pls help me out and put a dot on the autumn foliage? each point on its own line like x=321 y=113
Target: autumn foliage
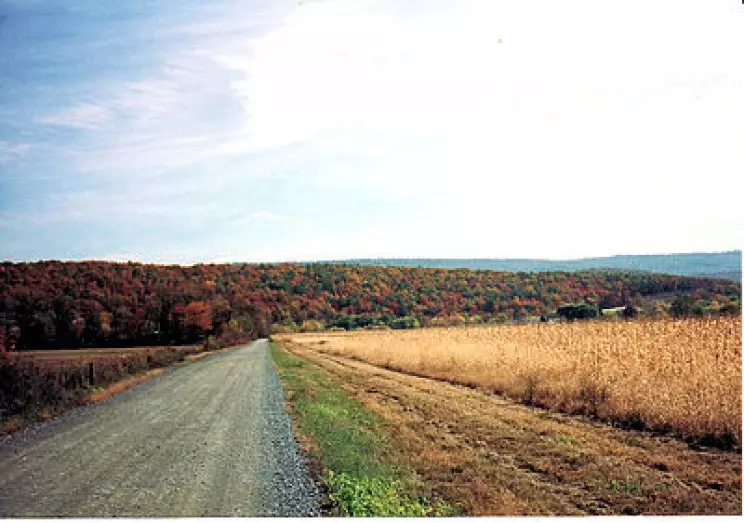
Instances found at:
x=198 y=318
x=56 y=304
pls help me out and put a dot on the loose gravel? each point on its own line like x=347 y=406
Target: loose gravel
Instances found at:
x=207 y=439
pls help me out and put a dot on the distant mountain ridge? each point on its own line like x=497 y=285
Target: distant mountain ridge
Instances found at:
x=712 y=265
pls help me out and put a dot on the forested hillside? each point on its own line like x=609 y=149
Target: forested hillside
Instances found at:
x=64 y=304
x=703 y=264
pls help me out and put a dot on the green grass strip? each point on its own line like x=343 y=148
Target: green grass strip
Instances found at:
x=360 y=470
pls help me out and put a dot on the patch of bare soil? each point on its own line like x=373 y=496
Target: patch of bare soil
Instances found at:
x=495 y=457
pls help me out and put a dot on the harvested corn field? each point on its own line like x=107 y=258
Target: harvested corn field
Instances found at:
x=680 y=376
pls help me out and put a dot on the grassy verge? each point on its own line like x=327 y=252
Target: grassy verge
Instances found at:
x=359 y=466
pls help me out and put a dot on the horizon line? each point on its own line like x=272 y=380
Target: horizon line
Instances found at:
x=358 y=259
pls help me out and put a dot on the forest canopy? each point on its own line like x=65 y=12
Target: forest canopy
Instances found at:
x=52 y=304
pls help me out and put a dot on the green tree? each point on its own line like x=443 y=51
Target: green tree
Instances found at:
x=578 y=311
x=630 y=311
x=683 y=305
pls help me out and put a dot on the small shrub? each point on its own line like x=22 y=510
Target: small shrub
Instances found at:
x=627 y=486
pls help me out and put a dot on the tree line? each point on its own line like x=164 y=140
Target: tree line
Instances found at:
x=52 y=304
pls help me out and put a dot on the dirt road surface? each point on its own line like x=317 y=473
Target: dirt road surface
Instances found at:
x=207 y=439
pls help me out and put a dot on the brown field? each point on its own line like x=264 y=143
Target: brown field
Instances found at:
x=39 y=384
x=682 y=376
x=96 y=353
x=91 y=367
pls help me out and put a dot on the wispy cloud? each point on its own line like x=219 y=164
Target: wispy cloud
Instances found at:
x=362 y=115
x=9 y=150
x=141 y=205
x=265 y=216
x=93 y=206
x=174 y=109
x=82 y=116
x=181 y=116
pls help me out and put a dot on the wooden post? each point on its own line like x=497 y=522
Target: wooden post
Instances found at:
x=90 y=373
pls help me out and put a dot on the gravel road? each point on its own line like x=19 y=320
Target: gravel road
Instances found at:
x=208 y=439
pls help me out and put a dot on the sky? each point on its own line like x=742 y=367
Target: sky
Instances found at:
x=277 y=130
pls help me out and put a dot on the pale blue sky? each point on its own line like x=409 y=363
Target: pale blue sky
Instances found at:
x=272 y=130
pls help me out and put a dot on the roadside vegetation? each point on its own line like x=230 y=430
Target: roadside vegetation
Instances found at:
x=679 y=376
x=358 y=464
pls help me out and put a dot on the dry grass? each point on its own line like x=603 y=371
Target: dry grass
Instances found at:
x=679 y=375
x=123 y=385
x=79 y=354
x=494 y=457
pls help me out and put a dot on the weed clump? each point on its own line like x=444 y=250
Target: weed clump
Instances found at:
x=364 y=496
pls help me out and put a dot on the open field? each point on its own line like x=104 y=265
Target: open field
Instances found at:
x=97 y=353
x=487 y=455
x=674 y=375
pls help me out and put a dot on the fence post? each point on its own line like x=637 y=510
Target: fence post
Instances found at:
x=90 y=373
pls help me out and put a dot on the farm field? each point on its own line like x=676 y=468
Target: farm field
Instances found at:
x=40 y=384
x=680 y=376
x=490 y=455
x=96 y=353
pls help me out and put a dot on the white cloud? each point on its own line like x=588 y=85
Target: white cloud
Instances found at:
x=82 y=116
x=9 y=150
x=178 y=114
x=265 y=216
x=483 y=122
x=538 y=106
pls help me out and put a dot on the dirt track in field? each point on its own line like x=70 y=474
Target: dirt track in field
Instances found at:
x=496 y=457
x=207 y=439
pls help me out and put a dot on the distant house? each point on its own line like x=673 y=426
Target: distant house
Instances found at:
x=613 y=311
